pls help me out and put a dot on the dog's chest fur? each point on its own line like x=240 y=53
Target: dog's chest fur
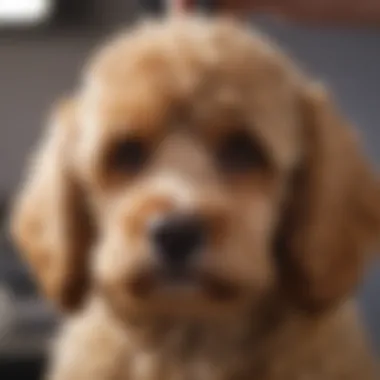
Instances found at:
x=274 y=350
x=193 y=353
x=244 y=354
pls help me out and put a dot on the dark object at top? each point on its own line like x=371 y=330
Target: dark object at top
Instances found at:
x=158 y=7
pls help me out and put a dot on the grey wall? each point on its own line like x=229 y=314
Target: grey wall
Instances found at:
x=36 y=70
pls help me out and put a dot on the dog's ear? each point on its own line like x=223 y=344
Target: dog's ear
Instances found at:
x=50 y=222
x=333 y=213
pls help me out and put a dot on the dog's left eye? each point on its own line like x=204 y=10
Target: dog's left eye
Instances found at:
x=128 y=156
x=238 y=153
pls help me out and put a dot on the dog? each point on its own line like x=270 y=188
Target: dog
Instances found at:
x=200 y=209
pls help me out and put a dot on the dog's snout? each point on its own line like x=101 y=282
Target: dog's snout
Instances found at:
x=177 y=237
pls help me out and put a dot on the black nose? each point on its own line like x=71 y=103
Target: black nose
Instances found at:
x=178 y=237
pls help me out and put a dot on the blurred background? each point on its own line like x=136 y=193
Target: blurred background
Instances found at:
x=43 y=44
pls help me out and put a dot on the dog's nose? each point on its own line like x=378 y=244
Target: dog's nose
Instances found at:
x=177 y=237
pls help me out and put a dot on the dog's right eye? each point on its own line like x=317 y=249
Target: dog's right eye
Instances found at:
x=128 y=156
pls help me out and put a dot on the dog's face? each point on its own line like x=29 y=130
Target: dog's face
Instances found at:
x=183 y=161
x=194 y=174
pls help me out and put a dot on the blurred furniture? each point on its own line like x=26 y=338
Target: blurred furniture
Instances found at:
x=26 y=322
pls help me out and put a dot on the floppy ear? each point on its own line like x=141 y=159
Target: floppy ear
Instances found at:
x=50 y=223
x=333 y=213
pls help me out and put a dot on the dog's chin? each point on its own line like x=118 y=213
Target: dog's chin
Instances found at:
x=153 y=293
x=181 y=284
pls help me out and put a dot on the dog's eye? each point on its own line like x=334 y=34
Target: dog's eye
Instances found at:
x=238 y=153
x=128 y=156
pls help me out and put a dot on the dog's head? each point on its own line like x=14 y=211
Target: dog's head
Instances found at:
x=197 y=171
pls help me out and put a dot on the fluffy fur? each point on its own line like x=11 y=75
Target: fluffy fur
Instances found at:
x=289 y=234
